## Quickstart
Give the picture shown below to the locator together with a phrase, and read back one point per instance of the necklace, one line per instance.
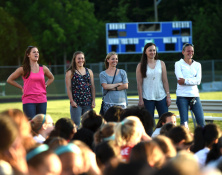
(153, 72)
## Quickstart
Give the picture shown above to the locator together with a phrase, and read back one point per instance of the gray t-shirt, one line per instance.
(114, 97)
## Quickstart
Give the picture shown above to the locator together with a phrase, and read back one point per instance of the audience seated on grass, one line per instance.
(113, 114)
(104, 133)
(41, 125)
(89, 158)
(131, 168)
(166, 128)
(142, 114)
(205, 138)
(166, 146)
(181, 137)
(71, 158)
(167, 117)
(55, 142)
(216, 152)
(85, 135)
(105, 152)
(64, 128)
(23, 126)
(148, 153)
(92, 121)
(12, 152)
(183, 164)
(42, 161)
(128, 133)
(106, 148)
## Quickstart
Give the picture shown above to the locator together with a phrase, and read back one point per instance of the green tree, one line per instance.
(57, 28)
(13, 38)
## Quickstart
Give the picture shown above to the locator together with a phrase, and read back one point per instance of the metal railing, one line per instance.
(209, 106)
(211, 72)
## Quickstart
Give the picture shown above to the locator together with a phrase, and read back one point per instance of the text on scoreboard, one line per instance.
(130, 38)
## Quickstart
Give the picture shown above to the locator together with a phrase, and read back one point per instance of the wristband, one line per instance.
(46, 85)
(116, 89)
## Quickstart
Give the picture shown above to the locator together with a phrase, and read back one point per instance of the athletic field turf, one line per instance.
(60, 108)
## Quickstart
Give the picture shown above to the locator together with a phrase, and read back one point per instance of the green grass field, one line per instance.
(60, 108)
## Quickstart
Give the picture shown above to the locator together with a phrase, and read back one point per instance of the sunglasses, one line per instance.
(31, 47)
(187, 44)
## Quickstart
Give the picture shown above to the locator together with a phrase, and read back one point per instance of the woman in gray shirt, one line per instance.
(114, 88)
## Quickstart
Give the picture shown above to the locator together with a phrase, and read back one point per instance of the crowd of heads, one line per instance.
(116, 143)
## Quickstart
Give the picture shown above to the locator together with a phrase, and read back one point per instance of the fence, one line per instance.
(211, 72)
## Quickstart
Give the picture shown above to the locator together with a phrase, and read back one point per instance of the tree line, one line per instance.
(60, 27)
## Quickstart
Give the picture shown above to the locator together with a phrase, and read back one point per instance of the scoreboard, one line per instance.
(130, 38)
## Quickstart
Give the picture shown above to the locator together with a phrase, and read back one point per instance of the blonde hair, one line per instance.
(85, 152)
(166, 145)
(108, 57)
(23, 124)
(37, 123)
(103, 132)
(88, 157)
(128, 131)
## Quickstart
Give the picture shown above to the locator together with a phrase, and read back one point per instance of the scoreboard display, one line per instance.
(130, 38)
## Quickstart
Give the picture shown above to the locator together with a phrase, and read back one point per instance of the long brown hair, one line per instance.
(163, 118)
(72, 66)
(143, 60)
(26, 63)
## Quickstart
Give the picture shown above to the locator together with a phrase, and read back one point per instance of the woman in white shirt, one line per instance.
(152, 83)
(189, 74)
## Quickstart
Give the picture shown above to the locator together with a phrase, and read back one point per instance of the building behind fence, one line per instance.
(211, 77)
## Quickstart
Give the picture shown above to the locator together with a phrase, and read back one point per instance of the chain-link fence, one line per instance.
(211, 72)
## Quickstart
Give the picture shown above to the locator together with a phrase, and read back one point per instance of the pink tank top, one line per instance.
(34, 88)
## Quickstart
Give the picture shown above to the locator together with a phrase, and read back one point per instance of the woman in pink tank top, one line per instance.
(34, 86)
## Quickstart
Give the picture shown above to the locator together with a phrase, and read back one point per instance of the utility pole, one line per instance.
(156, 3)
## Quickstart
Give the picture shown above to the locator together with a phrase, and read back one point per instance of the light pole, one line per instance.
(156, 3)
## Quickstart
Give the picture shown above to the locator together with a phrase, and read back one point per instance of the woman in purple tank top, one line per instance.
(80, 87)
(34, 86)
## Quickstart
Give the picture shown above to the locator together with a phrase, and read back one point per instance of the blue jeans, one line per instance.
(161, 106)
(183, 107)
(76, 113)
(32, 109)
